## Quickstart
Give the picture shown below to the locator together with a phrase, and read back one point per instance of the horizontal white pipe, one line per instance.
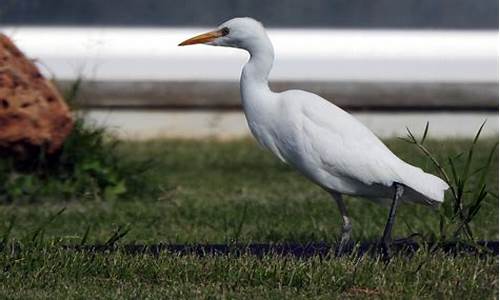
(301, 54)
(140, 125)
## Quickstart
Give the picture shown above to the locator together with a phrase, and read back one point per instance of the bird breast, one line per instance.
(261, 108)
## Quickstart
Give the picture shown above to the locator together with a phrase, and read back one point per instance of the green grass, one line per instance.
(213, 192)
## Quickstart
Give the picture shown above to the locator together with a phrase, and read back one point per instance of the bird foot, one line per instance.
(345, 245)
(387, 247)
(384, 249)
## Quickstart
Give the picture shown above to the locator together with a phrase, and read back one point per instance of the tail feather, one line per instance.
(425, 188)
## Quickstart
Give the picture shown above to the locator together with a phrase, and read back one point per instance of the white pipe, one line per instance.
(140, 125)
(303, 54)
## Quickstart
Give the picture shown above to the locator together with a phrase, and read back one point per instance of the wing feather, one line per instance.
(346, 147)
(336, 150)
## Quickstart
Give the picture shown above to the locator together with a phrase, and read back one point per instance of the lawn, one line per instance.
(225, 192)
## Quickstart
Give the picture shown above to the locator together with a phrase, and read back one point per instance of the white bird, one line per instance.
(323, 142)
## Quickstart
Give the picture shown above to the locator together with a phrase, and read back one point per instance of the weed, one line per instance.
(468, 187)
(89, 165)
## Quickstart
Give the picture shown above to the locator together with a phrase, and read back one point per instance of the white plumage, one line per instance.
(322, 141)
(332, 148)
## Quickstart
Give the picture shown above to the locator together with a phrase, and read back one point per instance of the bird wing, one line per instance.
(345, 147)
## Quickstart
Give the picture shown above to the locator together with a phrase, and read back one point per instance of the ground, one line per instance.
(223, 192)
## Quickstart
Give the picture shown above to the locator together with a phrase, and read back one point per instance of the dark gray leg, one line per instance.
(386, 238)
(346, 222)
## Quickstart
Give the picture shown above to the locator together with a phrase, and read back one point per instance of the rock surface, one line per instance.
(32, 112)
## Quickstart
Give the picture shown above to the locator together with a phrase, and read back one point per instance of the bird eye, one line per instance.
(224, 31)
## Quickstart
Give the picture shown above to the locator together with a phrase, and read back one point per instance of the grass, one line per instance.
(88, 166)
(214, 192)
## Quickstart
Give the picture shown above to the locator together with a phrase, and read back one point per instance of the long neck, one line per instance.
(257, 99)
(256, 71)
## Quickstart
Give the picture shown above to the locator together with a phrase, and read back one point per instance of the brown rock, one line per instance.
(32, 112)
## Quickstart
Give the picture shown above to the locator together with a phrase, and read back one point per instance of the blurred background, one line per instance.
(392, 63)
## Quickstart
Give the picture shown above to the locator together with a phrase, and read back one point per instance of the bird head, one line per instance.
(237, 32)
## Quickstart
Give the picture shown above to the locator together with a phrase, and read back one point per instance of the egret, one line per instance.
(323, 142)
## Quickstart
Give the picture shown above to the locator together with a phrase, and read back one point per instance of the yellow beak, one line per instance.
(203, 38)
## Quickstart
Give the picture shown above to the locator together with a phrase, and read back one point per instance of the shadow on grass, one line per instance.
(406, 247)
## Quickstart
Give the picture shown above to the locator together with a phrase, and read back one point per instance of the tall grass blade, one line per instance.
(453, 170)
(73, 91)
(83, 241)
(118, 234)
(425, 133)
(411, 136)
(49, 220)
(6, 234)
(476, 138)
(470, 154)
(485, 170)
(239, 228)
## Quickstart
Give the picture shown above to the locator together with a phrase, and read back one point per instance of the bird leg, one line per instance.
(386, 238)
(346, 223)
